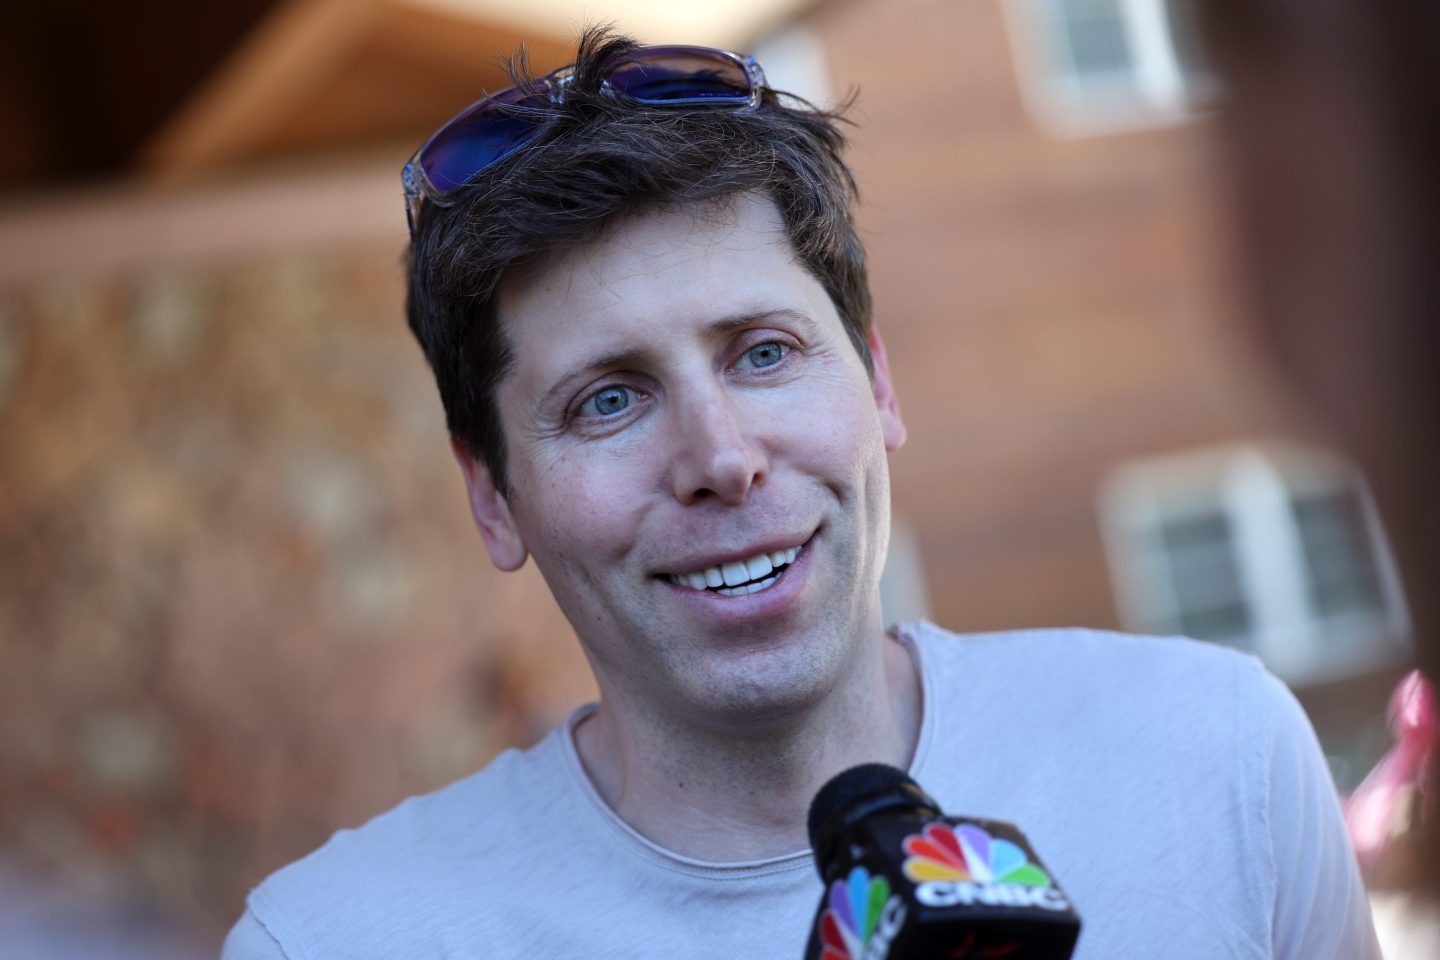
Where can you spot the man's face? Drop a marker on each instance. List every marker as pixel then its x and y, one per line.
pixel 685 412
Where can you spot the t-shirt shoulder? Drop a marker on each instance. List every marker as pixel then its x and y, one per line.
pixel 1124 702
pixel 1096 740
pixel 1060 670
pixel 380 876
pixel 1094 646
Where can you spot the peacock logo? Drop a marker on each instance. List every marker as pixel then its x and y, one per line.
pixel 968 853
pixel 861 918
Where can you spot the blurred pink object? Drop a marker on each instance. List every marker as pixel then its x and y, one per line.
pixel 1388 801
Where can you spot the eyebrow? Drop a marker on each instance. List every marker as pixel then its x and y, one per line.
pixel 632 357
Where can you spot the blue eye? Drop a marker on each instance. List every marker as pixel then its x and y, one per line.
pixel 767 354
pixel 607 402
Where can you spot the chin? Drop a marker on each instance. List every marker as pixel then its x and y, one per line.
pixel 765 687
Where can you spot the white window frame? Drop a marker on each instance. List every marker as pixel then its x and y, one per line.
pixel 1160 92
pixel 1253 485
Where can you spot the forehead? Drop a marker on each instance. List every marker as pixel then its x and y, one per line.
pixel 654 274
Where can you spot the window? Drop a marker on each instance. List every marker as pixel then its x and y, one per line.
pixel 1272 549
pixel 1092 66
pixel 1089 43
pixel 1206 597
pixel 1341 575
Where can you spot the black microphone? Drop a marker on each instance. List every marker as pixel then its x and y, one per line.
pixel 905 881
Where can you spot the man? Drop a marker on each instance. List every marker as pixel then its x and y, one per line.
pixel 644 300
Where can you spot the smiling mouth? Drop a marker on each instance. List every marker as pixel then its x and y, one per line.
pixel 741 577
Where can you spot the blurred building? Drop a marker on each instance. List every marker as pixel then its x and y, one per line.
pixel 244 605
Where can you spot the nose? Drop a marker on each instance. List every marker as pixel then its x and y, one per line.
pixel 716 454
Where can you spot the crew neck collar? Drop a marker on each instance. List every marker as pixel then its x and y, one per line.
pixel 909 635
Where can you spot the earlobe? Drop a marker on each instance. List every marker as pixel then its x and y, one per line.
pixel 491 512
pixel 891 425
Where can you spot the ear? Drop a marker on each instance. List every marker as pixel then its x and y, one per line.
pixel 886 402
pixel 491 512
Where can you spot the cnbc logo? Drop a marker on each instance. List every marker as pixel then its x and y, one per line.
pixel 861 918
pixel 965 866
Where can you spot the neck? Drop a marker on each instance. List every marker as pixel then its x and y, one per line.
pixel 718 794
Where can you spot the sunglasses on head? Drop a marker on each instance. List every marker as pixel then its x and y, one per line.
pixel 491 129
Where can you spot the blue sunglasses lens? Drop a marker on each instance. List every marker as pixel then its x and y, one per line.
pixel 473 141
pixel 497 126
pixel 682 77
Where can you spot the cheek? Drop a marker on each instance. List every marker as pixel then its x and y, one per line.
pixel 588 499
pixel 830 422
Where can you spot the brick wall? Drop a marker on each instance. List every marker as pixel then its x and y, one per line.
pixel 244 603
pixel 1051 306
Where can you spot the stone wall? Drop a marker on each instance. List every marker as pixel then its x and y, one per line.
pixel 243 603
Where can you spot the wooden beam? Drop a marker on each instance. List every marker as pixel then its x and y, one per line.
pixel 322 74
pixel 296 47
pixel 101 232
pixel 444 40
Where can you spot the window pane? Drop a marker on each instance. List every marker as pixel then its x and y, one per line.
pixel 1339 565
pixel 1089 38
pixel 1229 625
pixel 1205 579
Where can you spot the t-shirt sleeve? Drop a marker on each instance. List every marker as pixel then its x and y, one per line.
pixel 249 940
pixel 1321 911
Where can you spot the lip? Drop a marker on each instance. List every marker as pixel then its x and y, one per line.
pixel 768 603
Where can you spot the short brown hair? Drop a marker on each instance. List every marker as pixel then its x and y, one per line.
pixel 599 158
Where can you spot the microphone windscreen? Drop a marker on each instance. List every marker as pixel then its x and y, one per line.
pixel 854 793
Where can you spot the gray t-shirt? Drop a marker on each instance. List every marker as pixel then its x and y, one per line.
pixel 1175 790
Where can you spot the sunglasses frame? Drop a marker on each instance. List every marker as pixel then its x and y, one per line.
pixel 419 188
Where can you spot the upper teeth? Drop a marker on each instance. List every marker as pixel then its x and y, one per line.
pixel 741 571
